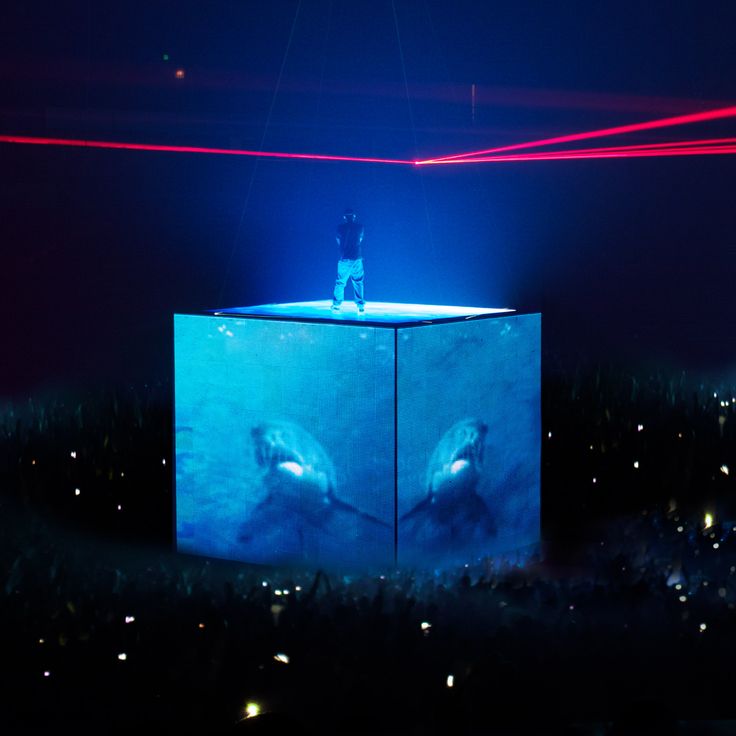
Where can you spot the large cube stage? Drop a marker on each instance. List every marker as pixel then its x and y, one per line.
pixel 410 434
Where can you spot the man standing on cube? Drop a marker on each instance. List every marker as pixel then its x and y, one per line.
pixel 350 234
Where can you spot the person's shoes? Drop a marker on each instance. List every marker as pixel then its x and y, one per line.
pixel 335 307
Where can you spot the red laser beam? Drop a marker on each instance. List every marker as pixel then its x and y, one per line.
pixel 703 146
pixel 192 149
pixel 592 154
pixel 698 117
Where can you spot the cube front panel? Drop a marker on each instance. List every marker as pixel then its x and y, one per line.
pixel 284 440
pixel 468 439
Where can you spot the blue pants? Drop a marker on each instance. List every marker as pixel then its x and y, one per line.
pixel 353 270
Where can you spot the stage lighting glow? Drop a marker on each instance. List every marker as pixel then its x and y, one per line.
pixel 716 545
pixel 708 521
pixel 129 619
pixel 122 656
pixel 73 454
pixel 450 680
pixel 77 491
pixel 281 657
pixel 725 470
pixel 180 74
pixel 252 710
pixel 682 598
pixel 703 627
pixel 636 464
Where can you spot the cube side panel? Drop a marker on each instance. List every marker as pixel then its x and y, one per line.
pixel 469 439
pixel 284 441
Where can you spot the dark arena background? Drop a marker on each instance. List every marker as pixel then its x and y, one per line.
pixel 571 159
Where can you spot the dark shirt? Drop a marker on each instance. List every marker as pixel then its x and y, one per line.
pixel 349 238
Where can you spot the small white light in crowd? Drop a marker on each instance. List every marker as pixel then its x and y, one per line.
pixel 703 627
pixel 163 461
pixel 636 463
pixel 73 454
pixel 549 435
pixel 724 469
pixel 716 545
pixel 425 626
pixel 264 584
pixel 122 656
pixel 120 508
pixel 297 588
pixel 595 480
pixel 200 626
pixel 679 435
pixel 286 592
pixel 715 395
pixel 281 657
pixel 41 641
pixel 450 680
pixel 572 606
pixel 591 447
pixel 682 598
pixel 46 673
pixel 277 591
pixel 129 619
pixel 679 528
pixel 252 710
pixel 708 521
pixel 678 586
pixel 122 475
pixel 77 491
pixel 639 427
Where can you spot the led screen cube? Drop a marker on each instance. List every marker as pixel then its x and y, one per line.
pixel 410 434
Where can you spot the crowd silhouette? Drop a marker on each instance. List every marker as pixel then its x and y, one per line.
pixel 623 622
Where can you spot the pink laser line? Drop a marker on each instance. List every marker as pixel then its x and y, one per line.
pixel 674 148
pixel 192 149
pixel 720 113
pixel 592 154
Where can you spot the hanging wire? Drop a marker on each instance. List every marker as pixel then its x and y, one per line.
pixel 260 148
pixel 432 245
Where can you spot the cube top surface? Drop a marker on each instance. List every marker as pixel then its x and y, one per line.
pixel 388 314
